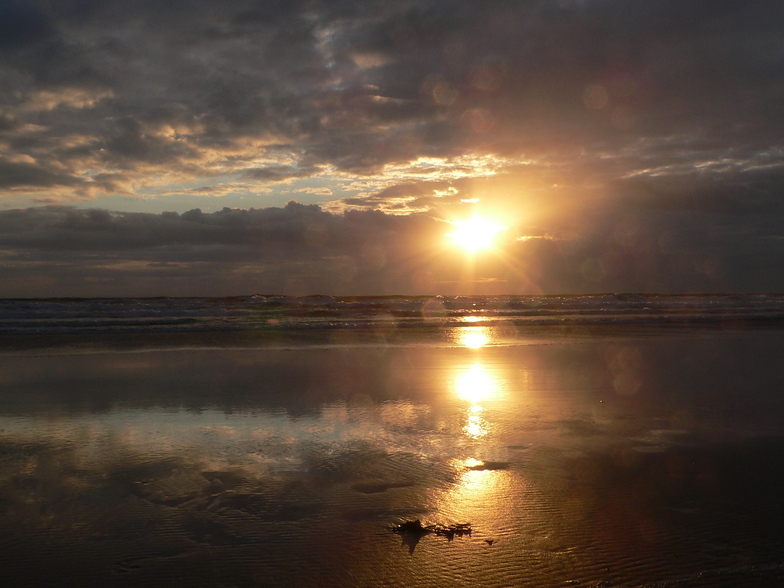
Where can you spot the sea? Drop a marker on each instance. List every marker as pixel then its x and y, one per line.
pixel 56 316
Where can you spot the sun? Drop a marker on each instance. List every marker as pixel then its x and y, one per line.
pixel 475 234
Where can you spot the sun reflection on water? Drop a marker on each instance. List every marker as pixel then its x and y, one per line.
pixel 472 318
pixel 476 425
pixel 473 337
pixel 475 384
pixel 476 495
pixel 474 484
pixel 479 496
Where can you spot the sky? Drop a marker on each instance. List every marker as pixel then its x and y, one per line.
pixel 215 148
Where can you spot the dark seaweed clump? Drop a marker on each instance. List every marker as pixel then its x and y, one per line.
pixel 415 528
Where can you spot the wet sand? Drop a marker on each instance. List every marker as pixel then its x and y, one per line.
pixel 616 459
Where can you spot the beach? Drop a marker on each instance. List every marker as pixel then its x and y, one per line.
pixel 416 294
pixel 603 457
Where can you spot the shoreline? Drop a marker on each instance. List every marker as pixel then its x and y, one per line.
pixel 427 335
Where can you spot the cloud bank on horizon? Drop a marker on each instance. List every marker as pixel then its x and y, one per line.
pixel 627 145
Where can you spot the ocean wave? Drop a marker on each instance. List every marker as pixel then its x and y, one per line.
pixel 268 312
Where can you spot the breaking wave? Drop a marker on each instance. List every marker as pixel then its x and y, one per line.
pixel 261 312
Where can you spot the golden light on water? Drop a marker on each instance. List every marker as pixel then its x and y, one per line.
pixel 470 462
pixel 476 425
pixel 474 337
pixel 475 384
pixel 472 319
pixel 475 484
pixel 480 496
pixel 482 484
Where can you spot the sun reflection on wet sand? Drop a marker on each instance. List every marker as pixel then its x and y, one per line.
pixel 475 485
pixel 244 459
pixel 480 497
pixel 479 484
pixel 473 319
pixel 473 337
pixel 475 384
pixel 475 426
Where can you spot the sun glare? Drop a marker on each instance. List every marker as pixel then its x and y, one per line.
pixel 474 337
pixel 474 234
pixel 475 384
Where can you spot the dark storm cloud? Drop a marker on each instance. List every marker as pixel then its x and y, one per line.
pixel 59 229
pixel 303 250
pixel 298 248
pixel 21 25
pixel 669 234
pixel 361 84
pixel 27 174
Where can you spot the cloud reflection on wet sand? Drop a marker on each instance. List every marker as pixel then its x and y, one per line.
pixel 268 467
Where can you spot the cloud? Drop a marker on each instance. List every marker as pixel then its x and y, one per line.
pixel 278 173
pixel 602 246
pixel 598 124
pixel 298 249
pixel 206 88
pixel 25 173
pixel 317 191
pixel 22 25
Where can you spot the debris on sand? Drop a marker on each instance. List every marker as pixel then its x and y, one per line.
pixel 416 528
pixel 411 527
pixel 453 530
